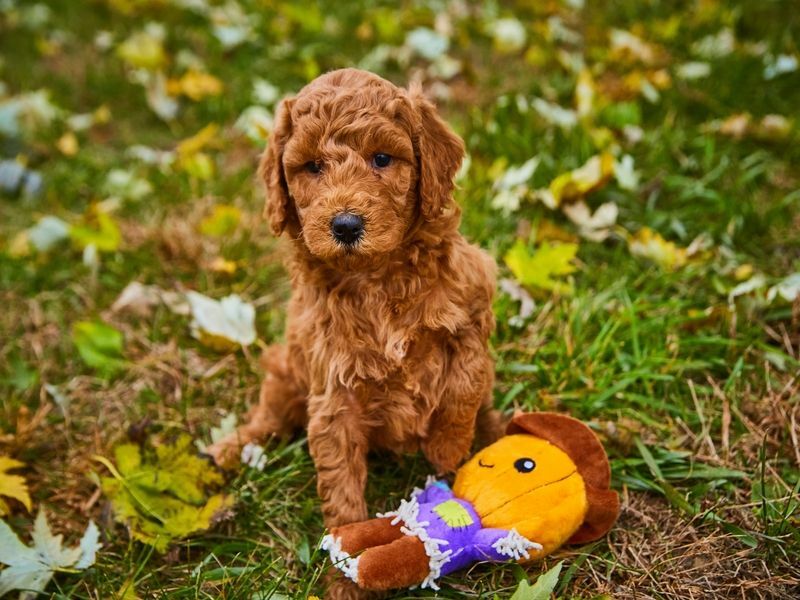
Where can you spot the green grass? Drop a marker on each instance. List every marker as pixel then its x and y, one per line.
pixel 695 397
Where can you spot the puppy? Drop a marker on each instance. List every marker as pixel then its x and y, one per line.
pixel 391 309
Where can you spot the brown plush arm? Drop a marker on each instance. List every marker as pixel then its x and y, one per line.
pixel 400 564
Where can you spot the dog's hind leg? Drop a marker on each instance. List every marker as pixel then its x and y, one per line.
pixel 281 408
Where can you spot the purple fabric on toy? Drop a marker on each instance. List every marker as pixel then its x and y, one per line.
pixel 454 523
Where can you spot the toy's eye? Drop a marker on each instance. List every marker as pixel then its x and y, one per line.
pixel 524 465
pixel 313 166
pixel 381 160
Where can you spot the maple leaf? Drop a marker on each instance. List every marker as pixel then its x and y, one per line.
pixel 31 568
pixel 162 495
pixel 538 270
pixel 12 486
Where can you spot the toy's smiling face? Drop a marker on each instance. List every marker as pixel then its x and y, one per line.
pixel 526 483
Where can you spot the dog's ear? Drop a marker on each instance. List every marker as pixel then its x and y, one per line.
pixel 279 208
pixel 439 152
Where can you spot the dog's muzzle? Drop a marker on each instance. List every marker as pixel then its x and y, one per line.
pixel 347 228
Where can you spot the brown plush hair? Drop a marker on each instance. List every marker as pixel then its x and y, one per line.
pixel 386 341
pixel 581 444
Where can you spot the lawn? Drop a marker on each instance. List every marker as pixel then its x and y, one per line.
pixel 633 167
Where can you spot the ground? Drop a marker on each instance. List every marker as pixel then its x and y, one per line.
pixel 669 322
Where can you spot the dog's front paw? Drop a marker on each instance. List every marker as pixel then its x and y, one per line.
pixel 225 453
pixel 445 454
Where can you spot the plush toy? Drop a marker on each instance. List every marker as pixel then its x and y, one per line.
pixel 544 484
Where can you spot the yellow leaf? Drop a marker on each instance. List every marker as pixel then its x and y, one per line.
pixel 198 165
pixel 67 144
pixel 743 272
pixel 143 50
pixel 649 244
pixel 593 175
pixel 539 270
pixel 99 229
pixel 196 85
pixel 584 93
pixel 220 265
pixel 127 591
pixel 223 220
pixel 12 486
pixel 193 145
pixel 19 245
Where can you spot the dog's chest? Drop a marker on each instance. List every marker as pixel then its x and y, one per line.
pixel 361 337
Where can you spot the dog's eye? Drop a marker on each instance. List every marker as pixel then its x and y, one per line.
pixel 381 160
pixel 313 166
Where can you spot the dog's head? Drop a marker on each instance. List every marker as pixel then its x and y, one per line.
pixel 353 162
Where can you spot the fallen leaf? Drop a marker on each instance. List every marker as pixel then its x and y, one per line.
pixel 595 227
pixel 67 144
pixel 137 298
pixel 554 114
pixel 98 229
pixel 518 293
pixel 222 221
pixel 144 50
pixel 99 345
pixel 585 92
pixel 511 186
pixel 197 142
pixel 159 101
pixel 231 25
pixel 427 43
pixel 256 123
pixel 195 85
pixel 649 244
pixel 163 493
pixel 693 70
pixel 121 183
pixel 743 272
pixel 265 92
pixel 715 45
pixel 593 175
pixel 60 398
pixel 48 232
pixel 26 113
pixel 140 298
pixel 540 269
pixel 775 66
pixel 756 282
pixel 627 46
pixel 224 324
pixel 625 174
pixel 769 128
pixel 222 265
pixel 508 34
pixel 788 289
pixel 12 486
pixel 30 568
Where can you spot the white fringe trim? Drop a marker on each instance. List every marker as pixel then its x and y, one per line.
pixel 340 559
pixel 515 546
pixel 408 513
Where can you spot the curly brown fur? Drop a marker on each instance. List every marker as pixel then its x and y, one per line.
pixel 386 339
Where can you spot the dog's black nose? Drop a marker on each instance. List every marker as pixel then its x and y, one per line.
pixel 347 228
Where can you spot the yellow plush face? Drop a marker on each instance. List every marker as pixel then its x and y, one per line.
pixel 526 483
